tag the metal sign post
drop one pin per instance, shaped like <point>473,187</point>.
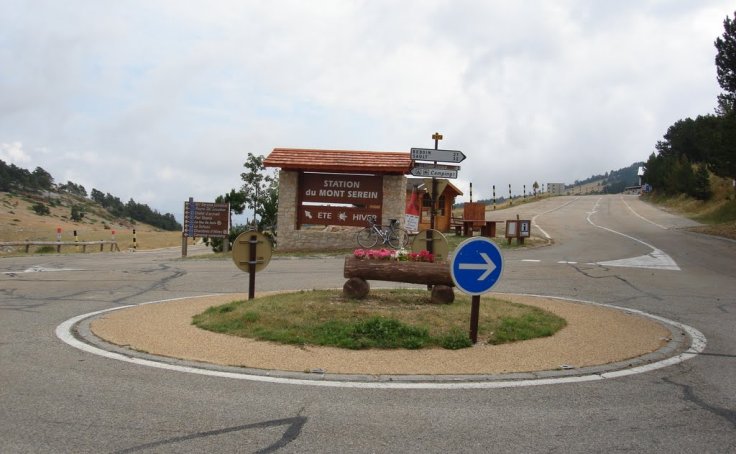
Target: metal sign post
<point>475,267</point>
<point>251,253</point>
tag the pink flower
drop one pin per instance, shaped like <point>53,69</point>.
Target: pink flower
<point>422,256</point>
<point>375,254</point>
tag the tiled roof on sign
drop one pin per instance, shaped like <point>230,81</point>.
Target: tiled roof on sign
<point>339,161</point>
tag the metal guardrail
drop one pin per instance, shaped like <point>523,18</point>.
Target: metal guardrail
<point>27,244</point>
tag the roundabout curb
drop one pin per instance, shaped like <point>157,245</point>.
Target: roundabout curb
<point>685,342</point>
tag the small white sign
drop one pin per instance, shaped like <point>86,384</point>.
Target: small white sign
<point>430,154</point>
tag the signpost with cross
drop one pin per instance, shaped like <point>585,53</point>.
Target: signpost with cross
<point>435,171</point>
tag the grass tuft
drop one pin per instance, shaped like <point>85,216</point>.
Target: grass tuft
<point>386,319</point>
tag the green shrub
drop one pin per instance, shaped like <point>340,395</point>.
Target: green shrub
<point>40,209</point>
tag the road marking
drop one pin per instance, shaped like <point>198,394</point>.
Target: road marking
<point>640,216</point>
<point>657,259</point>
<point>41,269</point>
<point>534,219</point>
<point>698,343</point>
<point>531,260</point>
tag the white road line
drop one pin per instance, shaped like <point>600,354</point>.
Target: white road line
<point>640,216</point>
<point>41,269</point>
<point>64,332</point>
<point>657,259</point>
<point>534,219</point>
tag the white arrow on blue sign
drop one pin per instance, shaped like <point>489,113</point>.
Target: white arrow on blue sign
<point>476,265</point>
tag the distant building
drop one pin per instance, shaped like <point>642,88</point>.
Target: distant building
<point>556,188</point>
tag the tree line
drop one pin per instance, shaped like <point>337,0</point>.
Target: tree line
<point>133,210</point>
<point>14,178</point>
<point>693,149</point>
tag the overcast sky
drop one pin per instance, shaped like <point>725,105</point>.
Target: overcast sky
<point>162,100</point>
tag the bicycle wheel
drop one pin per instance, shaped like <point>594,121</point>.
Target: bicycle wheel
<point>398,238</point>
<point>367,238</point>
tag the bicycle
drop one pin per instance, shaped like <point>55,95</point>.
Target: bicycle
<point>393,235</point>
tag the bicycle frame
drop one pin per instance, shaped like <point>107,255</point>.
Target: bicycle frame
<point>388,234</point>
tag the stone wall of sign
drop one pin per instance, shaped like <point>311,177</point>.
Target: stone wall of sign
<point>327,228</point>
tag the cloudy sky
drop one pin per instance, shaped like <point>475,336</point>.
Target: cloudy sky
<point>162,100</point>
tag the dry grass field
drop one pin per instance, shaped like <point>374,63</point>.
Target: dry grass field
<point>718,214</point>
<point>18,222</point>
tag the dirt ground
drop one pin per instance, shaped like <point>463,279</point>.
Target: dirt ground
<point>594,336</point>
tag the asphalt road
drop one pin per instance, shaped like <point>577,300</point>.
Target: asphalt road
<point>608,249</point>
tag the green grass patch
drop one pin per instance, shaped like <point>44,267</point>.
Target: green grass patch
<point>386,319</point>
<point>723,212</point>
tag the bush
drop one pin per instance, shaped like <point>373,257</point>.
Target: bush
<point>41,209</point>
<point>216,243</point>
<point>77,213</point>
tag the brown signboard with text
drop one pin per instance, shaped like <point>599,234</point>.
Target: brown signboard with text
<point>204,219</point>
<point>361,195</point>
<point>342,216</point>
<point>363,190</point>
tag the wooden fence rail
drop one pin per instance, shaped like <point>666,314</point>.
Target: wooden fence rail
<point>59,244</point>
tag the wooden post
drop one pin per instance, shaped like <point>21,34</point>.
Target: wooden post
<point>474,316</point>
<point>252,266</point>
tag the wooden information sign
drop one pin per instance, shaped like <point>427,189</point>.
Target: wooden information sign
<point>203,219</point>
<point>360,196</point>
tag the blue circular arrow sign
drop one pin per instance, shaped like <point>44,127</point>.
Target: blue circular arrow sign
<point>476,265</point>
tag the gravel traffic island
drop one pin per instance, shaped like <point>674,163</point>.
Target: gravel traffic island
<point>594,336</point>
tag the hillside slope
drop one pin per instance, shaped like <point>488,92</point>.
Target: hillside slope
<point>19,222</point>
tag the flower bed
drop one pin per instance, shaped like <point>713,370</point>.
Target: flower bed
<point>401,255</point>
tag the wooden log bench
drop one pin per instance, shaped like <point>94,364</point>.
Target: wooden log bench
<point>360,271</point>
<point>456,224</point>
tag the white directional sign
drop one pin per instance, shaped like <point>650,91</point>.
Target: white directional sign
<point>476,265</point>
<point>430,154</point>
<point>434,170</point>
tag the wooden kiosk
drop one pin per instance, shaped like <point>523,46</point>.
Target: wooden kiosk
<point>325,196</point>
